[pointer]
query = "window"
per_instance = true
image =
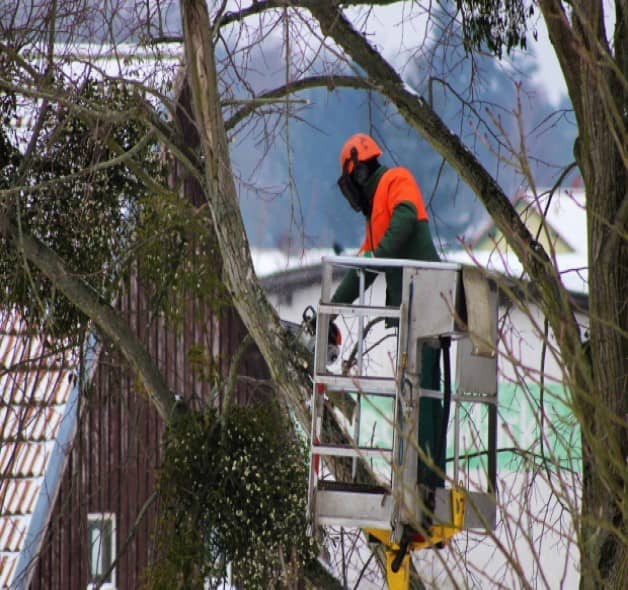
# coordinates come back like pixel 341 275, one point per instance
pixel 101 550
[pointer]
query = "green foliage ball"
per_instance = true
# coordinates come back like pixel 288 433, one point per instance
pixel 233 491
pixel 74 194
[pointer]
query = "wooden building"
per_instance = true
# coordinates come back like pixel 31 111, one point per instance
pixel 79 456
pixel 80 442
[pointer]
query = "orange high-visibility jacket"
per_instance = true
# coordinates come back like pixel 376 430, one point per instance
pixel 397 185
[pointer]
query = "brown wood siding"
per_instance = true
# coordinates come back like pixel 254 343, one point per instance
pixel 112 464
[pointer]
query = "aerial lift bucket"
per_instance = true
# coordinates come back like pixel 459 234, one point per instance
pixel 441 303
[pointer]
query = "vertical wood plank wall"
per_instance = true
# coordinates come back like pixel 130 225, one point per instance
pixel 111 467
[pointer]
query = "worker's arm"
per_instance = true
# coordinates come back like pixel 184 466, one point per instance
pixel 349 288
pixel 402 223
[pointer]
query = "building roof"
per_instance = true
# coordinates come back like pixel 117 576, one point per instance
pixel 274 261
pixel 565 221
pixel 566 225
pixel 38 412
pixel 565 217
pixel 296 278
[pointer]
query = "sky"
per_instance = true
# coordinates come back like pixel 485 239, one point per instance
pixel 387 32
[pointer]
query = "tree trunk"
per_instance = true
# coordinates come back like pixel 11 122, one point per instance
pixel 604 433
pixel 239 277
pixel 599 98
pixel 604 438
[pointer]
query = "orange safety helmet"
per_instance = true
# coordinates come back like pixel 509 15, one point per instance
pixel 366 149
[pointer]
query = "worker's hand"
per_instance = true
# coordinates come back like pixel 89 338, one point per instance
pixel 335 337
pixel 334 340
pixel 309 320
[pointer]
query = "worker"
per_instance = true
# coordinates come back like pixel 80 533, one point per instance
pixel 396 227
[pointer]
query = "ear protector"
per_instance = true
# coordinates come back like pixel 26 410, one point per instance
pixel 360 169
pixel 352 184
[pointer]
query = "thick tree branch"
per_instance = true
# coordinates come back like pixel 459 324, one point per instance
pixel 248 297
pixel 562 38
pixel 259 7
pixel 329 82
pixel 102 314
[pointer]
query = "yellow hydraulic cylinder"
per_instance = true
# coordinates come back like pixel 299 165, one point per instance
pixel 438 534
pixel 399 580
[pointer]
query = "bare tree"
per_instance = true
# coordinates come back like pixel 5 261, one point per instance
pixel 216 46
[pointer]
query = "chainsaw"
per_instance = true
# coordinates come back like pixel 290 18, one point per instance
pixel 305 333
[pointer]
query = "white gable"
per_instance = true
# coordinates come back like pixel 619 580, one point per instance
pixel 565 214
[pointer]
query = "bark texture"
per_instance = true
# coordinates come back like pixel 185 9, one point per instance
pixel 597 81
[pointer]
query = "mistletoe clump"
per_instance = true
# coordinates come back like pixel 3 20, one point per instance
pixel 495 24
pixel 233 492
pixel 76 193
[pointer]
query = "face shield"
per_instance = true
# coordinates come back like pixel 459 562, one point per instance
pixel 350 191
pixel 352 188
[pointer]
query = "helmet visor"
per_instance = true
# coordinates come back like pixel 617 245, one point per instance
pixel 350 191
